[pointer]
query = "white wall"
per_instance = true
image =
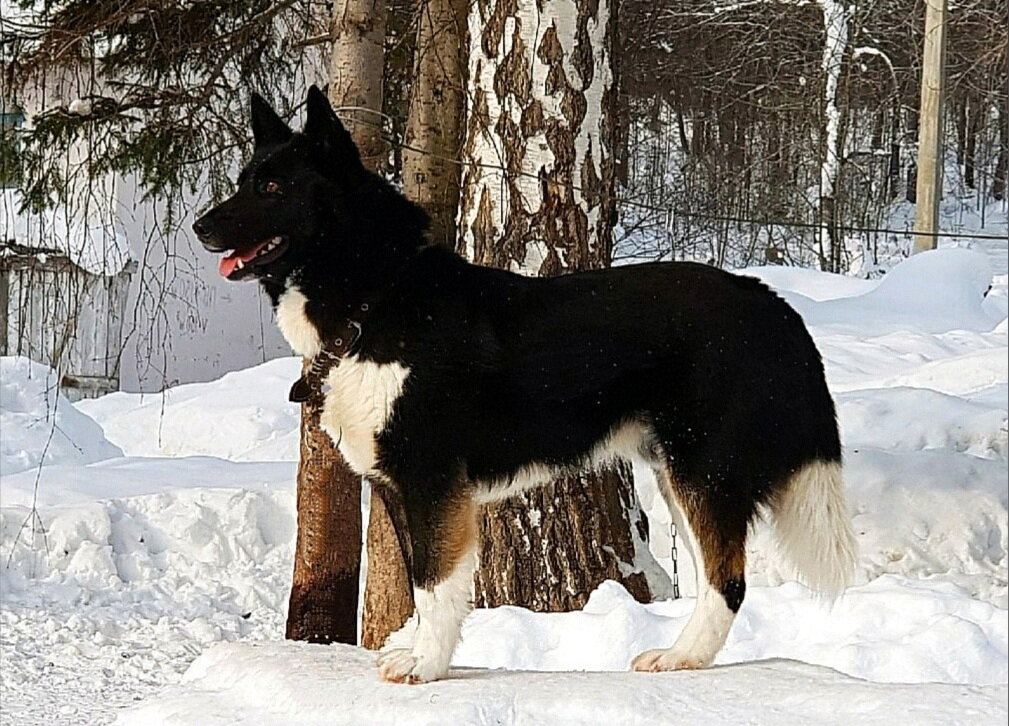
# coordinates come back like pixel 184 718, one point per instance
pixel 183 322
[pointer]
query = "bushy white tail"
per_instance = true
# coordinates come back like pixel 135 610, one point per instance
pixel 813 527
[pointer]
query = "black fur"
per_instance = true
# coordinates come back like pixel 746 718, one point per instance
pixel 506 370
pixel 734 590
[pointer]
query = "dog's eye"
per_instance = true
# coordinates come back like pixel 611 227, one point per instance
pixel 269 187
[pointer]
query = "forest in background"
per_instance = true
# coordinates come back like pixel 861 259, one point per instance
pixel 729 117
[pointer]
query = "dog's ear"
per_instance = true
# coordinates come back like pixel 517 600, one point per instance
pixel 267 127
pixel 322 125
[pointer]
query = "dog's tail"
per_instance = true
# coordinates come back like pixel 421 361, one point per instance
pixel 813 527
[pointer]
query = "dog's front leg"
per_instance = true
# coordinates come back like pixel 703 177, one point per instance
pixel 443 543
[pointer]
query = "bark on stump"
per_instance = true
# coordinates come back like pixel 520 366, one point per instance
pixel 548 550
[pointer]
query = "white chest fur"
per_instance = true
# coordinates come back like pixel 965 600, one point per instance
pixel 296 328
pixel 360 394
pixel 358 405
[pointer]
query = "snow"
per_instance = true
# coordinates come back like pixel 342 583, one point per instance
pixel 40 425
pixel 261 425
pixel 908 298
pixel 80 107
pixel 157 592
pixel 256 684
pixel 132 589
pixel 89 233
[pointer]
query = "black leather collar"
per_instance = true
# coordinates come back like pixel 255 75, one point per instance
pixel 308 388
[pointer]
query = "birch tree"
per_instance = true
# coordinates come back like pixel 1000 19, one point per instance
pixel 835 45
pixel 537 198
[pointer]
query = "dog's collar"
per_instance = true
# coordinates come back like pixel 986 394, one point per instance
pixel 332 351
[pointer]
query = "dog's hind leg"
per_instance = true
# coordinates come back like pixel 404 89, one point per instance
pixel 715 530
pixel 443 543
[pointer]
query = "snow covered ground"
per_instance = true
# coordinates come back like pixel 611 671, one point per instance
pixel 255 684
pixel 163 571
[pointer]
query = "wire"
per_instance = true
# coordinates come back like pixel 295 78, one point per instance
pixel 691 213
pixel 809 225
pixel 671 210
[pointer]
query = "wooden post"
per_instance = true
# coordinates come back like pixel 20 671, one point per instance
pixel 930 136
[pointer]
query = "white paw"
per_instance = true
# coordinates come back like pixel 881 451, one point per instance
pixel 400 666
pixel 672 659
pixel 404 637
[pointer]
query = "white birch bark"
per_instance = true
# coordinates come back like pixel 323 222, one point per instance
pixel 835 44
pixel 538 199
pixel 540 79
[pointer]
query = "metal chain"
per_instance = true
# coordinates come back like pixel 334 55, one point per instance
pixel 676 557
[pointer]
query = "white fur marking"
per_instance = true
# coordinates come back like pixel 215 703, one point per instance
pixel 626 442
pixel 296 328
pixel 439 614
pixel 709 624
pixel 358 405
pixel 813 527
pixel 403 638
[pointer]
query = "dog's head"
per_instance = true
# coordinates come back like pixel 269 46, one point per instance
pixel 295 185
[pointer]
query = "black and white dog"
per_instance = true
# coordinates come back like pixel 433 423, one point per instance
pixel 460 384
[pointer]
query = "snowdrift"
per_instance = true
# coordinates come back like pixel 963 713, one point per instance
pixel 39 425
pixel 243 415
pixel 932 292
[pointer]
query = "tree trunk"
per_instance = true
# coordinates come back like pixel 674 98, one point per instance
pixel 998 184
pixel 324 596
pixel 893 176
pixel 549 549
pixel 835 44
pixel 388 597
pixel 355 74
pixel 681 129
pixel 327 555
pixel 975 109
pixel 356 71
pixel 538 198
pixel 961 130
pixel 911 185
pixel 431 170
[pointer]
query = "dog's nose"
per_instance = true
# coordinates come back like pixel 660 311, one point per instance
pixel 205 233
pixel 202 229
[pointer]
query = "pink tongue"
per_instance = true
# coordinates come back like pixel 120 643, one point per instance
pixel 228 263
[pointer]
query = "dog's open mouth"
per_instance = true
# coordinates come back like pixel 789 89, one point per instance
pixel 236 264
